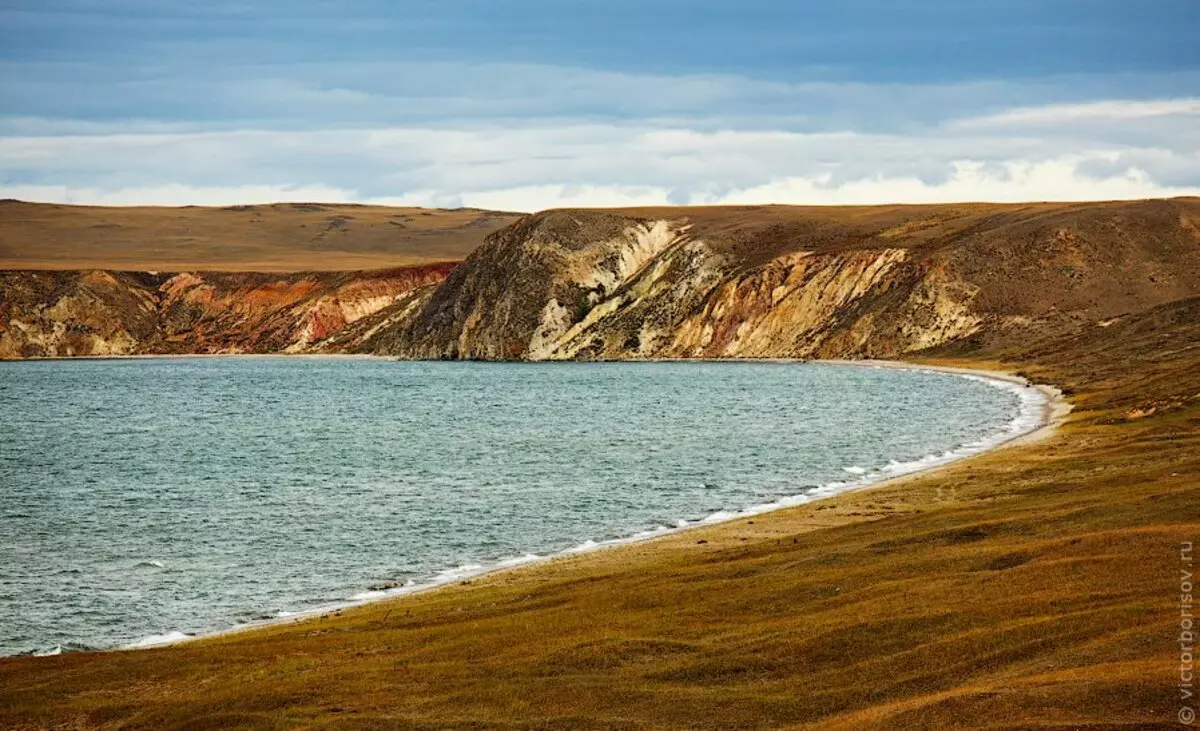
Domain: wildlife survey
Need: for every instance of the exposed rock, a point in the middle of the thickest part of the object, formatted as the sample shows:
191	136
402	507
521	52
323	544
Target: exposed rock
50	314
45	314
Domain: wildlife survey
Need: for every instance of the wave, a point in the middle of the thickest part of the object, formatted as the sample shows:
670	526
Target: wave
59	650
169	638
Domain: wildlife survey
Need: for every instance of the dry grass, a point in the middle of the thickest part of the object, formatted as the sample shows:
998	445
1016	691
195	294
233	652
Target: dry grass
280	237
1031	586
756	233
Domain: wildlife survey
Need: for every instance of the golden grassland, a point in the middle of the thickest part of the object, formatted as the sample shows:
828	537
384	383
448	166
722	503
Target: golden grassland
1032	586
274	238
290	237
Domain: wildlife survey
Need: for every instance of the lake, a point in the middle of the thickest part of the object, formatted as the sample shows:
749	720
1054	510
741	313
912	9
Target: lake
141	500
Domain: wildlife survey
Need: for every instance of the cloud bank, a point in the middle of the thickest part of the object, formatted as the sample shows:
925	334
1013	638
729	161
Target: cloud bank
1103	149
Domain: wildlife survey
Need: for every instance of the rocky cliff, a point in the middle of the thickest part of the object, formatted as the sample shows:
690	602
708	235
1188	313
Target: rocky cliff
787	282
769	281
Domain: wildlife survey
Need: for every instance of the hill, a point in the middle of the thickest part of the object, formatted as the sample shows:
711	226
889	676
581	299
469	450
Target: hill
769	281
802	282
284	237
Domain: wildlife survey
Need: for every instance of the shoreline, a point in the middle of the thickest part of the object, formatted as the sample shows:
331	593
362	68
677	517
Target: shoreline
1050	413
1055	407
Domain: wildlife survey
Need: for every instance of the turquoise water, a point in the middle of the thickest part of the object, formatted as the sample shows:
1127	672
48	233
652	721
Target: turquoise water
142	498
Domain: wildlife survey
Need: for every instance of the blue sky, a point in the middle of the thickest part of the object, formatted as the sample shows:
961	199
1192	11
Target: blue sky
528	104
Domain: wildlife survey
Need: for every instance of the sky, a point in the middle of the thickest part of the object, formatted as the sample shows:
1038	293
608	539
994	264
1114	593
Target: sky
530	104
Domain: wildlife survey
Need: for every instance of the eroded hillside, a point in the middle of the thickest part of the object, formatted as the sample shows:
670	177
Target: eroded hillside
747	282
56	314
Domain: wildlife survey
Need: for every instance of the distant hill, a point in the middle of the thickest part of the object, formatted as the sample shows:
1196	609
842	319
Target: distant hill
282	237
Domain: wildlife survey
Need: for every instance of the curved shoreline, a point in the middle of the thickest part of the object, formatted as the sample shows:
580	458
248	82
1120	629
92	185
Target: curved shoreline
1041	410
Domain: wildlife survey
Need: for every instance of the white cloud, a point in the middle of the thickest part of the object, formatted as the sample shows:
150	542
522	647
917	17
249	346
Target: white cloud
1049	180
1099	111
540	197
1127	149
320	94
970	181
175	194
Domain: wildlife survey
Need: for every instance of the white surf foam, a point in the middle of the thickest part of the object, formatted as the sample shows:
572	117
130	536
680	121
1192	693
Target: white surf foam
168	638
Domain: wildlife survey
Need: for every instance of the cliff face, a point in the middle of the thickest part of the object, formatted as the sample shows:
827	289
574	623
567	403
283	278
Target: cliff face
596	285
539	290
44	314
754	282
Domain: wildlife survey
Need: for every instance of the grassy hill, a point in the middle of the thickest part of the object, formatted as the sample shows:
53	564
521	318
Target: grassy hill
284	237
